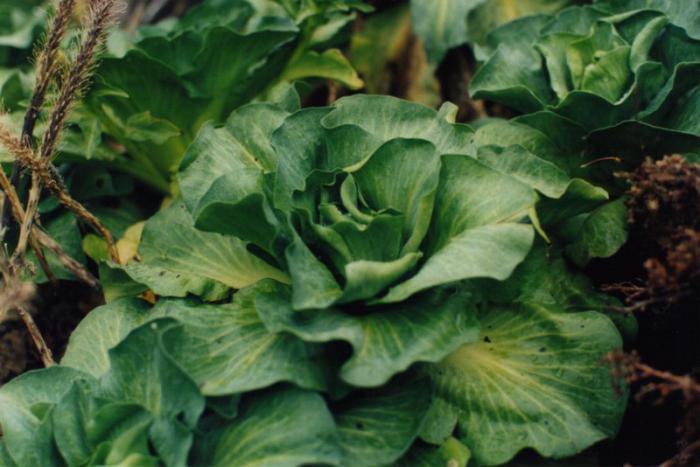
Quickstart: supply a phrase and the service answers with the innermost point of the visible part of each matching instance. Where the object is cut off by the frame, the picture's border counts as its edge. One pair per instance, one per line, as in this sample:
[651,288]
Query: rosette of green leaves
[155,94]
[370,200]
[625,72]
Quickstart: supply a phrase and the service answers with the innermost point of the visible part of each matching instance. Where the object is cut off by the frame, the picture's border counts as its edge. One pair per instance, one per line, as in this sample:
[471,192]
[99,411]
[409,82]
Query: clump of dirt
[664,213]
[665,198]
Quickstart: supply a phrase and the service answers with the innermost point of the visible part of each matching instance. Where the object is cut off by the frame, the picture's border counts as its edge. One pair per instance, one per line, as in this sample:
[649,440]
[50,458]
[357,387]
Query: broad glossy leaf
[282,427]
[104,328]
[378,427]
[70,418]
[385,118]
[515,72]
[330,64]
[604,71]
[142,373]
[25,413]
[177,259]
[89,430]
[527,168]
[222,180]
[5,456]
[226,348]
[403,175]
[546,277]
[535,379]
[599,234]
[473,233]
[386,341]
[155,96]
[540,133]
[20,25]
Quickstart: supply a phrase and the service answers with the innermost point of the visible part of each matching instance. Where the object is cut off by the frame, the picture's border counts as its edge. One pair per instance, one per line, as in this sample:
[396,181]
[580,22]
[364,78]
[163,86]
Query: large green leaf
[681,13]
[101,330]
[226,348]
[20,25]
[386,341]
[90,430]
[177,259]
[279,428]
[378,427]
[599,234]
[25,414]
[546,277]
[384,118]
[473,233]
[141,372]
[535,379]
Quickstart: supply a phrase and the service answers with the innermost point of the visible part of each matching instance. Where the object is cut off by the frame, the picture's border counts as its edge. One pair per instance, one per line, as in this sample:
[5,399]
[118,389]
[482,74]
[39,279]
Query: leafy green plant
[367,283]
[625,72]
[154,96]
[344,346]
[445,24]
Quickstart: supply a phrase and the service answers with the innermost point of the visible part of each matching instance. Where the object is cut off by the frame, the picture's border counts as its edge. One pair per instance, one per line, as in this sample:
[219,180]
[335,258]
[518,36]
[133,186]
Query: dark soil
[658,274]
[57,311]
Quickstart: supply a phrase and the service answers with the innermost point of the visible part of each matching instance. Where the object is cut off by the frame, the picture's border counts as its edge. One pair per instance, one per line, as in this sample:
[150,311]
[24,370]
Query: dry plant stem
[16,296]
[671,382]
[46,68]
[39,237]
[100,17]
[37,338]
[45,173]
[73,266]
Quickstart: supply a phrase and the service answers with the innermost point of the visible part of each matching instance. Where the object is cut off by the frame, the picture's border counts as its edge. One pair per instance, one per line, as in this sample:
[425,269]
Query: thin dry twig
[16,296]
[40,238]
[37,338]
[663,383]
